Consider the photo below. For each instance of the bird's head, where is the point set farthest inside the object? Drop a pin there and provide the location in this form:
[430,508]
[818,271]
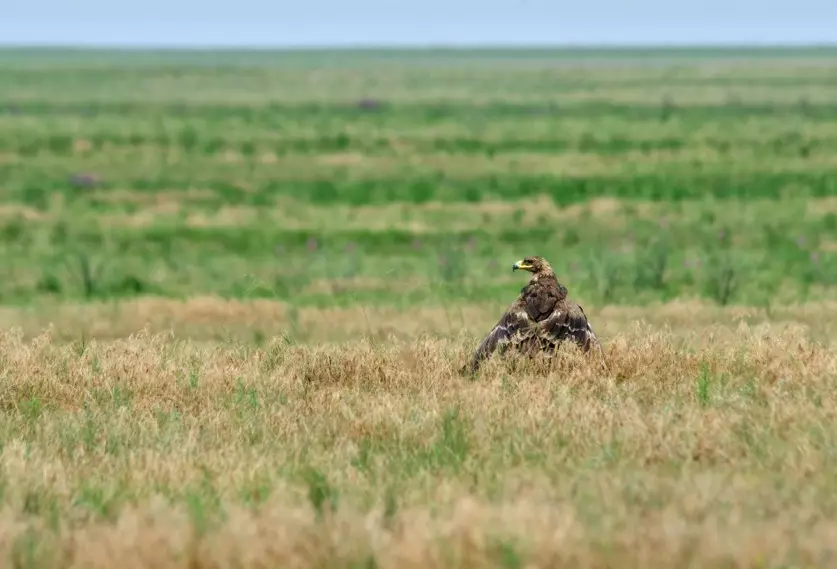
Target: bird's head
[535,265]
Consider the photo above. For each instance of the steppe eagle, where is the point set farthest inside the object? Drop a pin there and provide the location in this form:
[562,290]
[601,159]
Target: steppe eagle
[540,319]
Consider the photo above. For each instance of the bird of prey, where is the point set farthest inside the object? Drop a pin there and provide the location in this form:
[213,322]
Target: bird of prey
[540,319]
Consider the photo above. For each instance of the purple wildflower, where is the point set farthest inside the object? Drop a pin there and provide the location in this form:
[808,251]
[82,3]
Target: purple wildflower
[84,180]
[369,104]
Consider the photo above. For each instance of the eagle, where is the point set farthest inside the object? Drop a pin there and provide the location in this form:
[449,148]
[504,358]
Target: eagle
[540,319]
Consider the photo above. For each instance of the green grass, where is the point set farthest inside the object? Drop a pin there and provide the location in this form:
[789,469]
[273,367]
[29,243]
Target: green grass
[695,188]
[265,176]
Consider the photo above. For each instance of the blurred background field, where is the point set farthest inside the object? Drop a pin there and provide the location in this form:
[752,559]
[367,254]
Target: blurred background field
[386,178]
[236,288]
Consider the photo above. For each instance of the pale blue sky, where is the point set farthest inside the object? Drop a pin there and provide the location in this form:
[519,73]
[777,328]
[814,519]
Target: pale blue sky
[377,22]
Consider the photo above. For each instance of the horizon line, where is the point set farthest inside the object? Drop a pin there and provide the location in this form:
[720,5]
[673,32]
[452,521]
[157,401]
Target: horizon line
[417,46]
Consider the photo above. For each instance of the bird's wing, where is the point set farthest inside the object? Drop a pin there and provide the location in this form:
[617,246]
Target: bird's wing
[514,324]
[569,322]
[590,331]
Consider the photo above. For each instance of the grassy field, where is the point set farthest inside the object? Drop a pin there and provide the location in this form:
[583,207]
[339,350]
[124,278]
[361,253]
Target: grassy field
[237,289]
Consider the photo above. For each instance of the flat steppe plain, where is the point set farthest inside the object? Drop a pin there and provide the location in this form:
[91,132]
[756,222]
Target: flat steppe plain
[237,290]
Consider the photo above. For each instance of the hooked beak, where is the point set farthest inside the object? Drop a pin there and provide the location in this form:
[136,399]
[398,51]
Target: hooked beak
[518,265]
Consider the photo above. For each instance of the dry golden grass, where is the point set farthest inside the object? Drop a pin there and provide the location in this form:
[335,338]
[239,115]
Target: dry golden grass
[708,442]
[210,318]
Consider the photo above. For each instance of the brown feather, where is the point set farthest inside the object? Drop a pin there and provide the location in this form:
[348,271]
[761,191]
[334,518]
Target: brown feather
[540,319]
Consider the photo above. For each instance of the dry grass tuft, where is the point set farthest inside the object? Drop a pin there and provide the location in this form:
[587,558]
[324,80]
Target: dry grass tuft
[157,451]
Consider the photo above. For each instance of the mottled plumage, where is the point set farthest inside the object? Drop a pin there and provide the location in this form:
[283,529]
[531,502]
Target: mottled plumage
[540,319]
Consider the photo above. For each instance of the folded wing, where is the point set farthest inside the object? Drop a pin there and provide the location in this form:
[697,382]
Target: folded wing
[569,322]
[514,327]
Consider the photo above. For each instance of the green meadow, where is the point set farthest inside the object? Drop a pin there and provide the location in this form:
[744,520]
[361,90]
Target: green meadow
[643,176]
[236,289]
